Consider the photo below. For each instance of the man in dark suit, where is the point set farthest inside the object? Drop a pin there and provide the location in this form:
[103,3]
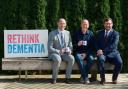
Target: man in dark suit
[107,43]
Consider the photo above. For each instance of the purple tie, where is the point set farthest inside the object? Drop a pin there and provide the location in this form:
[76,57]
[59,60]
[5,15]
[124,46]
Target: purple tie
[106,38]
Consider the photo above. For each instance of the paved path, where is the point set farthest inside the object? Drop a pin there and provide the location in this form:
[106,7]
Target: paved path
[43,82]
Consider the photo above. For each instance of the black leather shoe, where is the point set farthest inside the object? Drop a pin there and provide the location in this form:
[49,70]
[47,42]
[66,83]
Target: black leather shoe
[114,82]
[92,79]
[81,80]
[67,81]
[53,81]
[102,81]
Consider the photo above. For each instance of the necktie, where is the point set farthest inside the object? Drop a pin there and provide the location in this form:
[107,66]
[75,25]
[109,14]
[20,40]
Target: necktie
[106,33]
[106,38]
[62,39]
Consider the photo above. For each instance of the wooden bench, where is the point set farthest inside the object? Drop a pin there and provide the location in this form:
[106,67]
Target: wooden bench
[25,64]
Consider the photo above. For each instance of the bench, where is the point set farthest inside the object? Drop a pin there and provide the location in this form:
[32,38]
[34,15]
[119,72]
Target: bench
[25,64]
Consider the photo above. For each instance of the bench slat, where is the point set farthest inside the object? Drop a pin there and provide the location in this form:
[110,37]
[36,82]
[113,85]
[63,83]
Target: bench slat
[39,64]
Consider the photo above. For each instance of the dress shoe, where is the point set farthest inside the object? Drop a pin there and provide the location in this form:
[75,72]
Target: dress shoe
[81,80]
[86,81]
[67,81]
[114,82]
[102,81]
[53,81]
[92,79]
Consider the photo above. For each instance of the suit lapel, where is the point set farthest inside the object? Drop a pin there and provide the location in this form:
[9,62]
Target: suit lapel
[103,34]
[65,36]
[110,34]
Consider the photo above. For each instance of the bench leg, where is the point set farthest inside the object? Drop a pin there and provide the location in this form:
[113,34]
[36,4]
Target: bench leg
[40,72]
[19,74]
[93,76]
[26,74]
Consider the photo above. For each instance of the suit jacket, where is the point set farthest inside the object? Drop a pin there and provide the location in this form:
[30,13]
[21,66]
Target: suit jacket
[54,42]
[111,47]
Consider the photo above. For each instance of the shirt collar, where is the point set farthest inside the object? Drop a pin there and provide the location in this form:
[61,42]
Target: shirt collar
[60,31]
[87,32]
[108,31]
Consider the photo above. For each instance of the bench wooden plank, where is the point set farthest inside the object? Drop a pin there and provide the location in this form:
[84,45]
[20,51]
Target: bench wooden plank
[39,64]
[31,64]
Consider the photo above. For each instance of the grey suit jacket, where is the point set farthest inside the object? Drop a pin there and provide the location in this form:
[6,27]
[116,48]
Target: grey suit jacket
[54,42]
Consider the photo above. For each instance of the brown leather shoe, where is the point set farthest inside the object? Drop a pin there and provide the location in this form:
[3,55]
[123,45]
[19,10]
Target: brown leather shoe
[114,82]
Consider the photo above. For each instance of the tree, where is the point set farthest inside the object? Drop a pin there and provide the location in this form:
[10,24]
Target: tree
[115,14]
[36,14]
[21,14]
[76,12]
[96,11]
[63,9]
[1,15]
[8,14]
[52,13]
[124,31]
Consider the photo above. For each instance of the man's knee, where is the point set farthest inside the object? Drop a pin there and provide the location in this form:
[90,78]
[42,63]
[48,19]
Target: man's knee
[77,58]
[119,63]
[119,60]
[90,58]
[101,58]
[56,58]
[71,58]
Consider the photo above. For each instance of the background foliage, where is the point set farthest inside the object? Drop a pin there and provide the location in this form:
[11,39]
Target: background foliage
[41,14]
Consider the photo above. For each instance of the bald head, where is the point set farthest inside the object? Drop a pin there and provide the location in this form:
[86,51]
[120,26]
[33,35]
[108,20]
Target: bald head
[85,24]
[61,19]
[61,24]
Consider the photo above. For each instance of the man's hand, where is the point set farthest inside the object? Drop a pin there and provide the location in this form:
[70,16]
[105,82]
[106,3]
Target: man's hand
[68,51]
[83,55]
[62,51]
[99,52]
[65,50]
[80,43]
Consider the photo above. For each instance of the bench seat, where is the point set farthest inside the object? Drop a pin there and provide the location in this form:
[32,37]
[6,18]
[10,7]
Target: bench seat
[39,64]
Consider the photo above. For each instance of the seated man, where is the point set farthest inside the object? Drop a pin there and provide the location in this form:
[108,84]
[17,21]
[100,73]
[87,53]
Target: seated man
[107,41]
[83,44]
[60,48]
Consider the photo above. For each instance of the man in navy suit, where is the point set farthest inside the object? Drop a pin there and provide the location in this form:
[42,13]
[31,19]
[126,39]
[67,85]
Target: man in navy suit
[107,41]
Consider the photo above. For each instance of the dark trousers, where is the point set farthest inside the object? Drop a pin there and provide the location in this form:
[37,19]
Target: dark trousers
[114,59]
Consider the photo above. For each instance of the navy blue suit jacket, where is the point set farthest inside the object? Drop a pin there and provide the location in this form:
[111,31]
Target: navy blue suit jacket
[111,47]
